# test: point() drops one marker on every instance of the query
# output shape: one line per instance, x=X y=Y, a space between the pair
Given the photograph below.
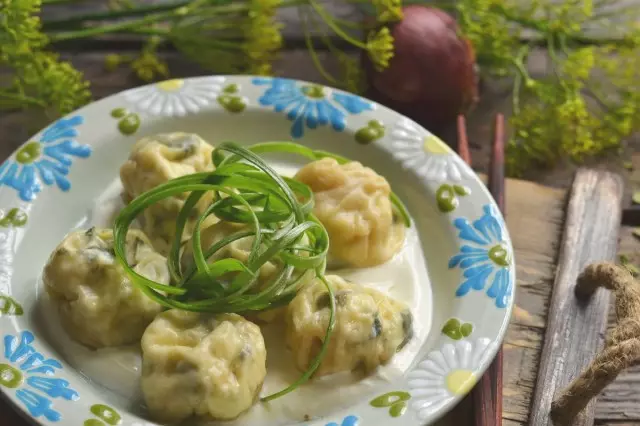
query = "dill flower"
x=352 y=73
x=112 y=61
x=148 y=65
x=263 y=38
x=380 y=48
x=388 y=10
x=39 y=78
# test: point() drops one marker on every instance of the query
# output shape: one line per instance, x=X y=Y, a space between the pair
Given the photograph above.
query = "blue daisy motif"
x=31 y=374
x=47 y=160
x=347 y=421
x=310 y=104
x=487 y=260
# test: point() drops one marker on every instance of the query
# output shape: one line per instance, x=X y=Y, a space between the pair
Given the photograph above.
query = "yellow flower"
x=263 y=68
x=388 y=10
x=380 y=48
x=147 y=66
x=112 y=61
x=352 y=74
x=579 y=63
x=263 y=38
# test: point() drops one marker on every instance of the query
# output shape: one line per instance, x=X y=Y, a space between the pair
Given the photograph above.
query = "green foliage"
x=589 y=100
x=223 y=36
x=586 y=103
x=39 y=78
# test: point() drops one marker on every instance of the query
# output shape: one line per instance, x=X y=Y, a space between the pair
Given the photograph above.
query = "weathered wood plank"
x=575 y=331
x=535 y=220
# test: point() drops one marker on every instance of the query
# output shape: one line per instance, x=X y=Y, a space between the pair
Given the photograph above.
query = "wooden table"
x=535 y=217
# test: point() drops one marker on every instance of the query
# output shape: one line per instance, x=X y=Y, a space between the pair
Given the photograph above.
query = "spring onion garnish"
x=277 y=214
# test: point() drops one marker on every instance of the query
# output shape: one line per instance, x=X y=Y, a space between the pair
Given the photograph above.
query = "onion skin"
x=432 y=76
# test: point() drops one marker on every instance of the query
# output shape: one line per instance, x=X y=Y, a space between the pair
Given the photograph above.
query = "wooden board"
x=575 y=330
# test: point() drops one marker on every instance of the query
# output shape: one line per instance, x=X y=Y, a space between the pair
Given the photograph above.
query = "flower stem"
x=519 y=76
x=120 y=26
x=22 y=99
x=45 y=2
x=151 y=8
x=111 y=14
x=328 y=19
x=304 y=18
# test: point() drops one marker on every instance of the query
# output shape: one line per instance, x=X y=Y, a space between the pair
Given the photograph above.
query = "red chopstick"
x=487 y=394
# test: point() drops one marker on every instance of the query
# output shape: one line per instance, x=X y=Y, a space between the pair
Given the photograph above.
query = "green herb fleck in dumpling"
x=370 y=327
x=155 y=160
x=210 y=366
x=98 y=304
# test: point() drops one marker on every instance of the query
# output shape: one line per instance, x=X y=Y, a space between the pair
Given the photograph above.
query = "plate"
x=458 y=260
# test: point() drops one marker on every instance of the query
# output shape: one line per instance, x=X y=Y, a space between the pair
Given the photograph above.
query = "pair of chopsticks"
x=487 y=394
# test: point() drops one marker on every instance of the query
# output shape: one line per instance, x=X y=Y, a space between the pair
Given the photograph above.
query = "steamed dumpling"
x=352 y=202
x=98 y=304
x=370 y=327
x=209 y=366
x=155 y=160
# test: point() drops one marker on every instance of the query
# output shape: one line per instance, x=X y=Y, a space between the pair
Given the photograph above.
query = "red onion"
x=432 y=75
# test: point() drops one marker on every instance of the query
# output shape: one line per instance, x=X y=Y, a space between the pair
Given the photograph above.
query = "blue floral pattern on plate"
x=46 y=160
x=309 y=104
x=487 y=260
x=30 y=367
x=347 y=421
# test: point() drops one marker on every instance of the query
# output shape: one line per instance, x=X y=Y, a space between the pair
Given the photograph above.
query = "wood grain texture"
x=575 y=331
x=535 y=220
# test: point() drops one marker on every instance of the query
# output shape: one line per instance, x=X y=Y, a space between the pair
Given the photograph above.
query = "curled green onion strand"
x=276 y=213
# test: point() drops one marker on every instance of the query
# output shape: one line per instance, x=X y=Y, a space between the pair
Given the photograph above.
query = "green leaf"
x=636 y=197
x=466 y=329
x=106 y=413
x=628 y=165
x=461 y=190
x=452 y=329
x=446 y=199
x=398 y=409
x=389 y=399
x=8 y=306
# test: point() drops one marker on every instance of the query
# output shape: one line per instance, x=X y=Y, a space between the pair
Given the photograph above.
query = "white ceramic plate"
x=456 y=270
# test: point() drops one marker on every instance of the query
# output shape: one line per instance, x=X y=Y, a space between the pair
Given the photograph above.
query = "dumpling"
x=241 y=249
x=155 y=160
x=370 y=327
x=209 y=366
x=98 y=304
x=352 y=202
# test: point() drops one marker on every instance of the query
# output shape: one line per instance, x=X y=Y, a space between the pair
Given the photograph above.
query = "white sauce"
x=404 y=278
